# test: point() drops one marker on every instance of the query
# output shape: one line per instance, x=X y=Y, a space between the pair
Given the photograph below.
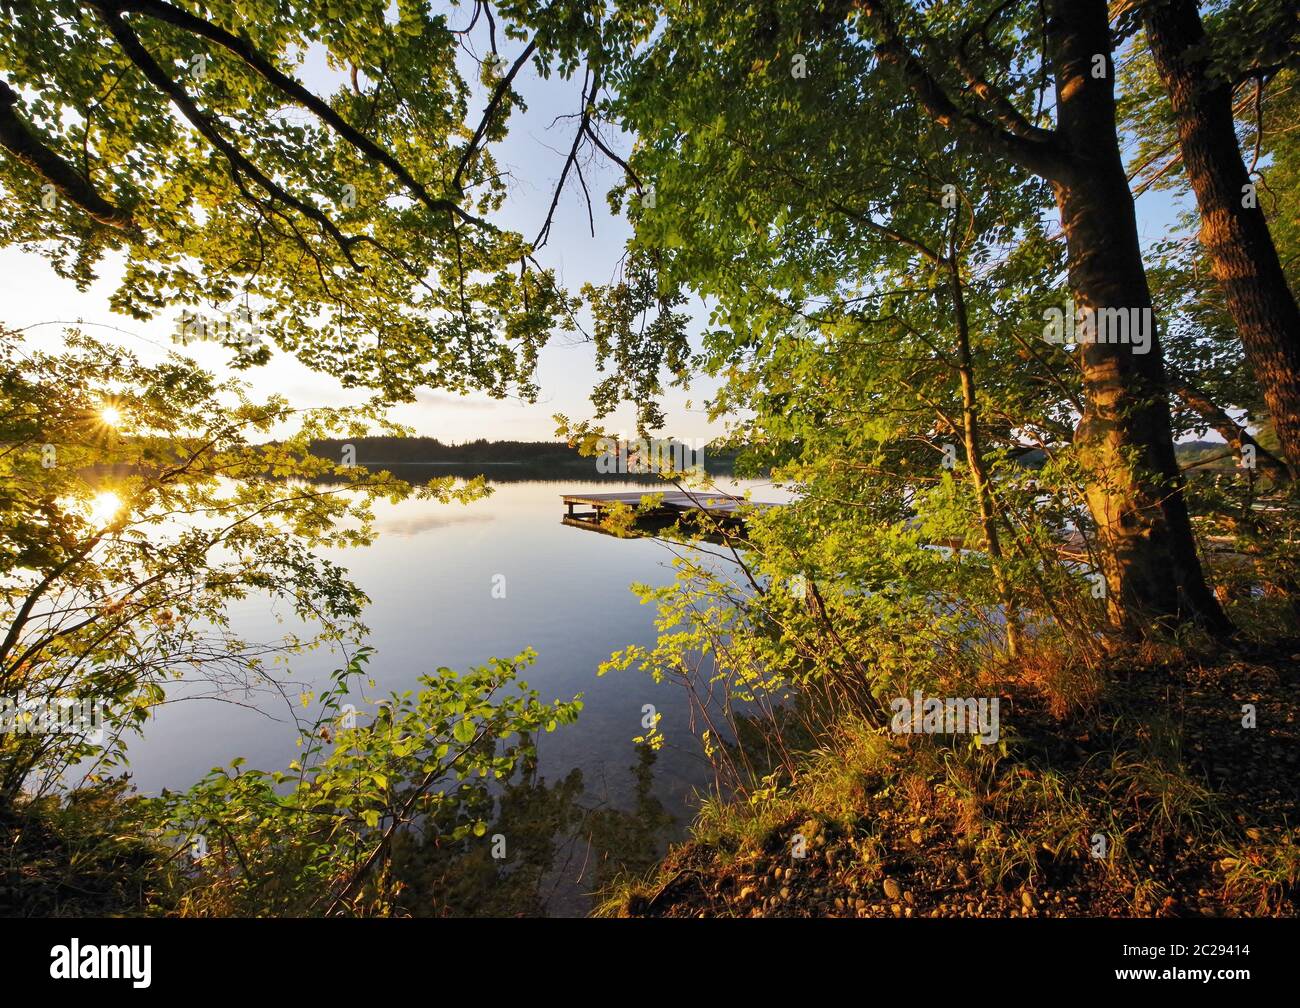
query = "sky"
x=33 y=296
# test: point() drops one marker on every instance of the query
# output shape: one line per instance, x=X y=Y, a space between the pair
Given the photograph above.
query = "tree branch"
x=1001 y=106
x=137 y=54
x=498 y=96
x=1040 y=154
x=22 y=142
x=1234 y=433
x=588 y=97
x=163 y=11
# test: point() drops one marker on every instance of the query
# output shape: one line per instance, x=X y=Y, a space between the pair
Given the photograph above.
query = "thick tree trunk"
x=1235 y=234
x=1124 y=440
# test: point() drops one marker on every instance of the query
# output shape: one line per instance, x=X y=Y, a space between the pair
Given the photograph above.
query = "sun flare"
x=111 y=416
x=104 y=507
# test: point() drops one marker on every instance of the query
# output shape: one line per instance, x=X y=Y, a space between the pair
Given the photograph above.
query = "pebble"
x=892 y=889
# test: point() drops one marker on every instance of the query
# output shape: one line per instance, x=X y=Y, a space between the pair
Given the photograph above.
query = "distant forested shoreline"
x=547 y=457
x=560 y=456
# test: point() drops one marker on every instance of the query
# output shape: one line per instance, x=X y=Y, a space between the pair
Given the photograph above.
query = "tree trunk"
x=1235 y=234
x=1134 y=489
x=1133 y=486
x=975 y=454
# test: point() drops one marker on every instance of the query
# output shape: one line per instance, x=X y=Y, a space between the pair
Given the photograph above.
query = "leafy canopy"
x=351 y=218
x=138 y=503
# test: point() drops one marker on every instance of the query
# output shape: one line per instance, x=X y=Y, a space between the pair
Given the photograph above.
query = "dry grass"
x=1193 y=811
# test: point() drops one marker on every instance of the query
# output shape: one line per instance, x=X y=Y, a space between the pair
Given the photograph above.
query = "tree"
x=1124 y=436
x=136 y=507
x=1003 y=60
x=352 y=225
x=1234 y=231
x=317 y=838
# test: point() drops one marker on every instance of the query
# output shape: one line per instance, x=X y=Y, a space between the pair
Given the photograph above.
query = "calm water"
x=595 y=803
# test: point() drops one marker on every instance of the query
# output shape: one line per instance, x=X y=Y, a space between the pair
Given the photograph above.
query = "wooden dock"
x=669 y=506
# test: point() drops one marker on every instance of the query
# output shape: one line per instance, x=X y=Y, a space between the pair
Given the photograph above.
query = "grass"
x=1127 y=789
x=83 y=855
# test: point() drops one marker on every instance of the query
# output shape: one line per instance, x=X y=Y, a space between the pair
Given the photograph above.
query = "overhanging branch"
x=26 y=147
x=162 y=11
x=134 y=51
x=1037 y=152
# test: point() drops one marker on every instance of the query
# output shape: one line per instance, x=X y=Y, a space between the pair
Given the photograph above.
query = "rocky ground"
x=1198 y=812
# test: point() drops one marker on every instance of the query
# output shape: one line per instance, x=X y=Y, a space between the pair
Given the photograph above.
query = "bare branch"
x=498 y=96
x=588 y=97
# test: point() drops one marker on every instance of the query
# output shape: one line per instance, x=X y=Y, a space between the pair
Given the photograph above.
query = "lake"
x=595 y=804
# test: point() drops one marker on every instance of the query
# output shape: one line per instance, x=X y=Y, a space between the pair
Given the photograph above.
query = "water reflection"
x=547 y=846
x=591 y=805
